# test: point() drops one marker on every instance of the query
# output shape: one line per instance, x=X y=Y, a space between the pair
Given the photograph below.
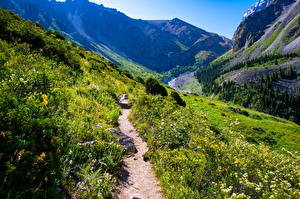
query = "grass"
x=210 y=148
x=181 y=45
x=272 y=38
x=291 y=25
x=285 y=133
x=55 y=96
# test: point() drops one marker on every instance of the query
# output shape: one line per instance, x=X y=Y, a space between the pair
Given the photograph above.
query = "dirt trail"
x=138 y=180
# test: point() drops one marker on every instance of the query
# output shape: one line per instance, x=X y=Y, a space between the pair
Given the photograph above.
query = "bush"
x=153 y=87
x=178 y=99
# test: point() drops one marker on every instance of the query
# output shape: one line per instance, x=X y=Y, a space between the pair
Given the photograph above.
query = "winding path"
x=138 y=180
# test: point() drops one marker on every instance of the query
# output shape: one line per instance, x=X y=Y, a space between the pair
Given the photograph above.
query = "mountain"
x=159 y=45
x=257 y=7
x=262 y=71
x=254 y=26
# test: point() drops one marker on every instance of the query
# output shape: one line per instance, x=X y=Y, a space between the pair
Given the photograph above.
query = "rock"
x=88 y=143
x=124 y=97
x=136 y=196
x=73 y=174
x=125 y=141
x=125 y=104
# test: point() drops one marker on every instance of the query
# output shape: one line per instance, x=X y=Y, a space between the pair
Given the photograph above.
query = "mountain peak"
x=258 y=6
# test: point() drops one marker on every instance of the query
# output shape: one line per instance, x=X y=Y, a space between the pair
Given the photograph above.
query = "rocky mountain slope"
x=265 y=56
x=254 y=26
x=279 y=34
x=157 y=45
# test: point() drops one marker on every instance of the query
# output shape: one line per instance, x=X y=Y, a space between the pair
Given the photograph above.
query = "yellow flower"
x=41 y=158
x=44 y=97
x=20 y=154
x=45 y=102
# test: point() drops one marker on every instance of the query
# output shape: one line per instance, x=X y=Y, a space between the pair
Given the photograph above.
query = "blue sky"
x=219 y=16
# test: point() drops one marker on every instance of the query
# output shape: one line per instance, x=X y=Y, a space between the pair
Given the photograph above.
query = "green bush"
x=153 y=87
x=178 y=99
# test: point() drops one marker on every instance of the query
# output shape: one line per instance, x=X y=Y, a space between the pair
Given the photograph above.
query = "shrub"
x=153 y=87
x=178 y=99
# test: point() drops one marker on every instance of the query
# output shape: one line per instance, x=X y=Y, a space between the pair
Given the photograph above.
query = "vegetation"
x=193 y=85
x=264 y=97
x=260 y=95
x=153 y=87
x=55 y=99
x=178 y=70
x=272 y=38
x=263 y=61
x=178 y=99
x=206 y=149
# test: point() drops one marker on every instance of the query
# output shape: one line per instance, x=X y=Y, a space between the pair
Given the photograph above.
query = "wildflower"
x=41 y=158
x=20 y=154
x=54 y=139
x=45 y=101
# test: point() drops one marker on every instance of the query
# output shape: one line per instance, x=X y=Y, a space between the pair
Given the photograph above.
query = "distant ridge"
x=159 y=45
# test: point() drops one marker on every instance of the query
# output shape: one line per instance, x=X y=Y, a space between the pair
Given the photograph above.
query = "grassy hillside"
x=129 y=65
x=56 y=98
x=210 y=149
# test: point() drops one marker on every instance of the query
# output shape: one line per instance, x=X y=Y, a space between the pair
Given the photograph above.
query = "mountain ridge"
x=91 y=24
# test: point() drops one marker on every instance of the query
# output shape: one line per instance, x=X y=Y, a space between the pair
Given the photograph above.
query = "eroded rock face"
x=254 y=25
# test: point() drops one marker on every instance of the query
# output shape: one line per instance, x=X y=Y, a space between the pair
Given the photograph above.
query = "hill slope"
x=57 y=104
x=93 y=25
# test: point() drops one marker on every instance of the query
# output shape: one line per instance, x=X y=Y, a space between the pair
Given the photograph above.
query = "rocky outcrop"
x=254 y=26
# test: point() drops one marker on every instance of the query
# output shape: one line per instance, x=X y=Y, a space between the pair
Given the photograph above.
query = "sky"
x=218 y=16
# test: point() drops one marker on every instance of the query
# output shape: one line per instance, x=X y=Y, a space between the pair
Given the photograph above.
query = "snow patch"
x=257 y=7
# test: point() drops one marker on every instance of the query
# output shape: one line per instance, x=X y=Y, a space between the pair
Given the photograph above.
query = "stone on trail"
x=136 y=196
x=126 y=141
x=124 y=97
x=123 y=103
